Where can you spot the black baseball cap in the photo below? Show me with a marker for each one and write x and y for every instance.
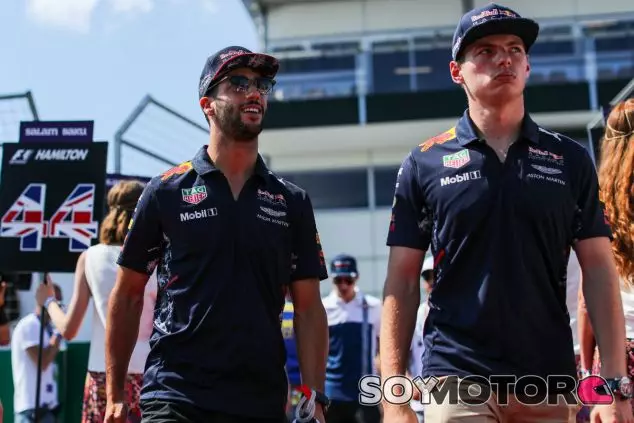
(492, 19)
(344, 265)
(223, 61)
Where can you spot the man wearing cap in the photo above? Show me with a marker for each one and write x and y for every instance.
(228, 238)
(501, 201)
(354, 319)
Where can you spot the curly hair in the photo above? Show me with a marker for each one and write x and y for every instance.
(122, 199)
(616, 181)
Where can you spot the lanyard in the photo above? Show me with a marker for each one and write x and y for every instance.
(365, 368)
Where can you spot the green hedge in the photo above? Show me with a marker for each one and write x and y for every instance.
(72, 364)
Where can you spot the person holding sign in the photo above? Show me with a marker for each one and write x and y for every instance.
(25, 345)
(95, 276)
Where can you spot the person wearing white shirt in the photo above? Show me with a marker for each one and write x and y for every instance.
(353, 326)
(25, 343)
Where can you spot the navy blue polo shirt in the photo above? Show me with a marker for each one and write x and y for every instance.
(500, 233)
(223, 268)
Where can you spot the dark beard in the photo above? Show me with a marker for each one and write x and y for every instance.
(230, 123)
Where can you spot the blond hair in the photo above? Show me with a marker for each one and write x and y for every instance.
(616, 181)
(122, 199)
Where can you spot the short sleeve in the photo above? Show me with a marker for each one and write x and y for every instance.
(307, 257)
(590, 220)
(142, 246)
(30, 335)
(410, 224)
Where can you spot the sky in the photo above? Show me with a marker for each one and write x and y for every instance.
(97, 59)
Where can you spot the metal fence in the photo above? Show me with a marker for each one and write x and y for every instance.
(15, 108)
(596, 126)
(155, 137)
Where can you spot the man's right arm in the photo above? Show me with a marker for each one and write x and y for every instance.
(124, 315)
(48, 353)
(400, 304)
(408, 239)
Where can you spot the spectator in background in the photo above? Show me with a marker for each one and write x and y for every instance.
(353, 323)
(292, 360)
(11, 302)
(95, 276)
(4, 319)
(616, 183)
(418, 347)
(25, 344)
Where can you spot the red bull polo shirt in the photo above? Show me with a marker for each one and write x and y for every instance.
(500, 233)
(222, 266)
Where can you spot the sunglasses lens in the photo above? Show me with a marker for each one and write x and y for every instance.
(265, 84)
(241, 82)
(346, 281)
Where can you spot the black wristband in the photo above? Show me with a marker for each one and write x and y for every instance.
(3, 317)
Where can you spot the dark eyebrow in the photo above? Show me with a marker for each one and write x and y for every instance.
(508, 44)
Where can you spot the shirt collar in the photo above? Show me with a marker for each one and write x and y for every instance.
(466, 131)
(203, 165)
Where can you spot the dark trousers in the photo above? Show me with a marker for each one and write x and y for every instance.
(352, 412)
(159, 411)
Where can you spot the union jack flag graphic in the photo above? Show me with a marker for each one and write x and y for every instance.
(73, 219)
(25, 218)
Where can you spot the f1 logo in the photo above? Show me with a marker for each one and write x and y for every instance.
(21, 156)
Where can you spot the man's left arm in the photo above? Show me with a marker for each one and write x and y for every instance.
(592, 236)
(602, 298)
(310, 323)
(311, 332)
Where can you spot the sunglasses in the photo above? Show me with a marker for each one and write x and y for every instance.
(347, 281)
(242, 84)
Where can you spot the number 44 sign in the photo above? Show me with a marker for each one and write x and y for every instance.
(52, 198)
(73, 219)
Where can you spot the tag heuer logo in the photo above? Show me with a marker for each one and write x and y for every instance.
(456, 160)
(194, 195)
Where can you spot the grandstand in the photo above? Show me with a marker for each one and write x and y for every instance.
(363, 81)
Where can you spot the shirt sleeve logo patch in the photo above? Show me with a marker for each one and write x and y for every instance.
(438, 139)
(456, 160)
(194, 195)
(178, 170)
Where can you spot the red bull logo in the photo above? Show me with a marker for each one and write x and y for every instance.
(536, 153)
(178, 170)
(438, 139)
(275, 199)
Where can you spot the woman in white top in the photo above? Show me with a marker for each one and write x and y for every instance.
(616, 183)
(95, 276)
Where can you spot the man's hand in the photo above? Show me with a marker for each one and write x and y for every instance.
(44, 291)
(56, 340)
(398, 414)
(116, 412)
(319, 414)
(619, 411)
